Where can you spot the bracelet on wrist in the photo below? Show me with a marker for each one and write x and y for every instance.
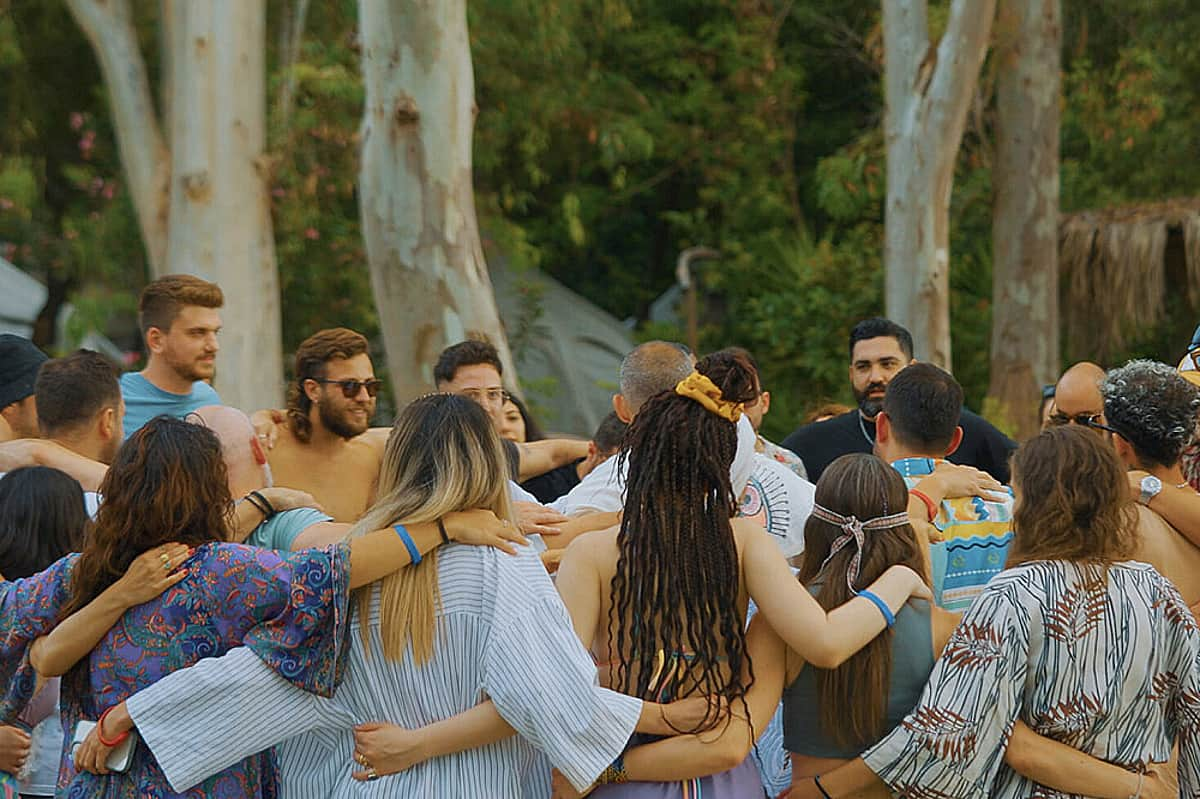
(262, 503)
(120, 739)
(930, 507)
(414, 553)
(821, 788)
(442, 531)
(888, 616)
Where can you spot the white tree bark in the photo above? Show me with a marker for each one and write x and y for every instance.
(1025, 178)
(220, 221)
(428, 273)
(928, 95)
(203, 203)
(108, 25)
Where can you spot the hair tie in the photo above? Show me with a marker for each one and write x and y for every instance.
(853, 530)
(699, 388)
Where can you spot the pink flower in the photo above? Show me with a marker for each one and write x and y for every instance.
(6, 204)
(76, 120)
(312, 234)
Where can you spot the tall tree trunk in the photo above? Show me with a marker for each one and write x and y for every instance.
(220, 222)
(928, 95)
(428, 273)
(1025, 216)
(108, 25)
(203, 203)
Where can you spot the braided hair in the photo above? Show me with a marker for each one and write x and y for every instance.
(677, 578)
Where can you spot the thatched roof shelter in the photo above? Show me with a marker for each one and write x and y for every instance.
(1127, 271)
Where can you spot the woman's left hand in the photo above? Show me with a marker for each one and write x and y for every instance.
(483, 528)
(152, 572)
(91, 754)
(383, 749)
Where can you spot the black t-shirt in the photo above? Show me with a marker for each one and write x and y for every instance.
(553, 484)
(821, 443)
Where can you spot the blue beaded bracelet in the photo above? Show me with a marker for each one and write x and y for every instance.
(409, 544)
(883, 608)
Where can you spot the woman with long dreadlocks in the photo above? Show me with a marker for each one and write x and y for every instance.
(662, 599)
(831, 716)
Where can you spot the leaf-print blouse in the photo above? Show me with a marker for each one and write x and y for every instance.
(1105, 661)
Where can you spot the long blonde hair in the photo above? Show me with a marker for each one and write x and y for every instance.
(443, 455)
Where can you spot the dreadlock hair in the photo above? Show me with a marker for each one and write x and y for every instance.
(853, 697)
(677, 579)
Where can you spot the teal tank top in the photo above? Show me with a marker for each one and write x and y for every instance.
(912, 660)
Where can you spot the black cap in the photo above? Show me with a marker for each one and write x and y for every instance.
(20, 361)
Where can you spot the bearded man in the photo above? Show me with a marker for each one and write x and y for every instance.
(180, 318)
(879, 349)
(326, 445)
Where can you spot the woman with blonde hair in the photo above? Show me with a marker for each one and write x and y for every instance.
(460, 625)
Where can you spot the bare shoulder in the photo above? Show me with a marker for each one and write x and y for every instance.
(943, 623)
(376, 438)
(594, 543)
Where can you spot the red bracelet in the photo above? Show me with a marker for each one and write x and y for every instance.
(929, 506)
(120, 739)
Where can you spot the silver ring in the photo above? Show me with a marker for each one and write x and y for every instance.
(372, 774)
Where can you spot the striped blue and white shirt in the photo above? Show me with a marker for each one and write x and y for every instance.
(503, 634)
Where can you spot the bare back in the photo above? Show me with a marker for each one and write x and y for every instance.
(603, 553)
(342, 481)
(1172, 555)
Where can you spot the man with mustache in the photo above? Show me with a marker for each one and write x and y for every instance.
(180, 318)
(326, 446)
(879, 349)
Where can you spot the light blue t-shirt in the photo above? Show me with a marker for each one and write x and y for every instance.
(279, 531)
(144, 400)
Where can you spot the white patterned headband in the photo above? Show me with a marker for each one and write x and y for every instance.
(852, 530)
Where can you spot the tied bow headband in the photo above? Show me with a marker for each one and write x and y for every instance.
(704, 391)
(853, 530)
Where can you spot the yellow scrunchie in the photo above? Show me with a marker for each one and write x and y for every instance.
(704, 391)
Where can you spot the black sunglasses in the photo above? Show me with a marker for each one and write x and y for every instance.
(350, 388)
(1081, 419)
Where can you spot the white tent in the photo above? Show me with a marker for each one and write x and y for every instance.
(575, 349)
(22, 298)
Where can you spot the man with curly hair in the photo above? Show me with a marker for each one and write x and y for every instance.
(1150, 411)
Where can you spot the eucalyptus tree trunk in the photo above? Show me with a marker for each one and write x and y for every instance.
(428, 273)
(929, 91)
(220, 220)
(202, 201)
(1025, 179)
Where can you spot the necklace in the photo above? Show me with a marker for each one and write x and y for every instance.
(863, 428)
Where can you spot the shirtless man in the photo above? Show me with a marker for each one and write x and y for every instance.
(1151, 411)
(326, 446)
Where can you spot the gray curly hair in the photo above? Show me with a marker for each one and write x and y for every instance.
(1153, 408)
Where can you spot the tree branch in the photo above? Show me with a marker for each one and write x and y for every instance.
(108, 26)
(959, 57)
(905, 44)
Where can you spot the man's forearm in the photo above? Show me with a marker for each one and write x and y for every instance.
(35, 452)
(539, 457)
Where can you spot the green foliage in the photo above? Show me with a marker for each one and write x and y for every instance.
(611, 135)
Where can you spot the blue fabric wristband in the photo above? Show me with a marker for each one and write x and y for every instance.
(409, 544)
(883, 608)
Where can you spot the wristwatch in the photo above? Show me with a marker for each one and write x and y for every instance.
(1151, 485)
